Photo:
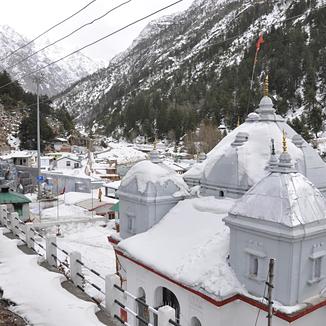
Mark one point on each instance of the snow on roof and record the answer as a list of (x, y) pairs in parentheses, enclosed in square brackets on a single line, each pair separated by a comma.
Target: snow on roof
[(113, 184), (285, 198), (69, 157), (174, 166), (253, 155), (18, 154), (122, 153), (146, 171), (63, 140), (92, 204), (190, 244), (71, 198), (77, 172), (244, 153)]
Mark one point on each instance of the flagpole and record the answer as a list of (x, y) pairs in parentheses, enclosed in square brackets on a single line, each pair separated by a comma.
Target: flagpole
[(252, 81), (258, 44), (253, 71)]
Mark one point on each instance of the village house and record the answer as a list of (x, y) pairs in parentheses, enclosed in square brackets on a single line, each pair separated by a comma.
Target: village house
[(47, 162), (67, 162), (22, 158), (111, 189), (61, 145)]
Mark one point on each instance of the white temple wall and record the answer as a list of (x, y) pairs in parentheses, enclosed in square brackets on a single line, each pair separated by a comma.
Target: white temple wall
[(191, 305)]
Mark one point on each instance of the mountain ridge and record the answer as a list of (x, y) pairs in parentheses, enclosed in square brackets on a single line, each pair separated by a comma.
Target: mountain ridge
[(57, 77), (197, 65)]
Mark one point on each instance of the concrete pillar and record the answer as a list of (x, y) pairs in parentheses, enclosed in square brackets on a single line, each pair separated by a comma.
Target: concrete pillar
[(132, 304), (9, 222), (6, 220), (3, 214), (111, 293), (51, 250), (29, 234), (14, 223), (76, 268), (164, 315)]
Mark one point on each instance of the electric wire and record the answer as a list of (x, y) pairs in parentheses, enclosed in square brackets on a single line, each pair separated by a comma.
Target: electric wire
[(126, 26), (70, 34), (93, 43), (48, 30)]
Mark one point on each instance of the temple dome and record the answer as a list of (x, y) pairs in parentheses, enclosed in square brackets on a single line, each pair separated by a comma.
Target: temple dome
[(284, 198), (153, 179), (241, 159)]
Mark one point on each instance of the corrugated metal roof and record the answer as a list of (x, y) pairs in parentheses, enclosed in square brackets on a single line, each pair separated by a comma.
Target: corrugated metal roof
[(93, 204), (13, 198)]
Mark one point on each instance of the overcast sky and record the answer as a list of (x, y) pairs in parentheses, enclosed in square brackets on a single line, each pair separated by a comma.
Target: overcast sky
[(32, 17)]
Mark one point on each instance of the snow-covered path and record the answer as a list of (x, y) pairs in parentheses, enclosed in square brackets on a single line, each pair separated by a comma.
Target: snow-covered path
[(37, 292)]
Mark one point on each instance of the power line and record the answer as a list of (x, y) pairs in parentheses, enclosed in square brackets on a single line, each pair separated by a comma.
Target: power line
[(94, 42), (73, 32), (48, 30), (134, 22)]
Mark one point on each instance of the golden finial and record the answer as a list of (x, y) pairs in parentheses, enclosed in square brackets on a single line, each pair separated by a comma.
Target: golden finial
[(238, 122), (285, 145), (266, 86)]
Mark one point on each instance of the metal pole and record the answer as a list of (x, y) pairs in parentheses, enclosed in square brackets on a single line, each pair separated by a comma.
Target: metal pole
[(270, 290), (92, 201), (38, 137), (57, 198)]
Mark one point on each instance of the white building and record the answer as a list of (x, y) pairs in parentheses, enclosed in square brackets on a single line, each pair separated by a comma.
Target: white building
[(261, 197), (60, 143), (67, 162), (47, 163)]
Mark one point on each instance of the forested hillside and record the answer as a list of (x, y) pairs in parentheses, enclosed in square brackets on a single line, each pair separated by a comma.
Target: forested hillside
[(20, 106), (197, 66)]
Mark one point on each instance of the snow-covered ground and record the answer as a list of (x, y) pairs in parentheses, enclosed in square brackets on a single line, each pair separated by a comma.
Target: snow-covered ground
[(90, 239), (37, 292)]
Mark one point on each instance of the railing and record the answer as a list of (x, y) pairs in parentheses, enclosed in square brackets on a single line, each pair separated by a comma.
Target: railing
[(72, 267)]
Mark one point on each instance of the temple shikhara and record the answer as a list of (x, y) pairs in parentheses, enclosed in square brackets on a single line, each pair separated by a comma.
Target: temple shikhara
[(202, 243)]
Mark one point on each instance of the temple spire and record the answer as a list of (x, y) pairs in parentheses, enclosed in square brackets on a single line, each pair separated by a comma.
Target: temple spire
[(285, 145), (273, 146), (266, 86), (273, 161)]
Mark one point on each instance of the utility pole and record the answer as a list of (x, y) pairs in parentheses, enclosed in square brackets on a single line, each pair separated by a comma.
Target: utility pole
[(270, 291), (37, 80)]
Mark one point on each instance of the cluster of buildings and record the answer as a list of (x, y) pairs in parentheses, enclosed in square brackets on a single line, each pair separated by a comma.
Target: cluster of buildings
[(202, 242)]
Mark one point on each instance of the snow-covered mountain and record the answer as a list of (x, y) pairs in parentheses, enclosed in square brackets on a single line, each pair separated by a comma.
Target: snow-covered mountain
[(197, 64), (57, 77)]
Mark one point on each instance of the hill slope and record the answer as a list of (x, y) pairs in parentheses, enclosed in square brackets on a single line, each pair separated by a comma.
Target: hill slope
[(197, 65)]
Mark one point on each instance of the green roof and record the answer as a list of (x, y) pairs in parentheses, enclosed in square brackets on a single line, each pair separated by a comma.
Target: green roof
[(115, 207), (13, 198)]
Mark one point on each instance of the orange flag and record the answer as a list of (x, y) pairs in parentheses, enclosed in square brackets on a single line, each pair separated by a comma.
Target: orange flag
[(259, 42)]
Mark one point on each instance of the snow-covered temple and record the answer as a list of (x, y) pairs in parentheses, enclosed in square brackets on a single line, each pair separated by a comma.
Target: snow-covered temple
[(202, 244)]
